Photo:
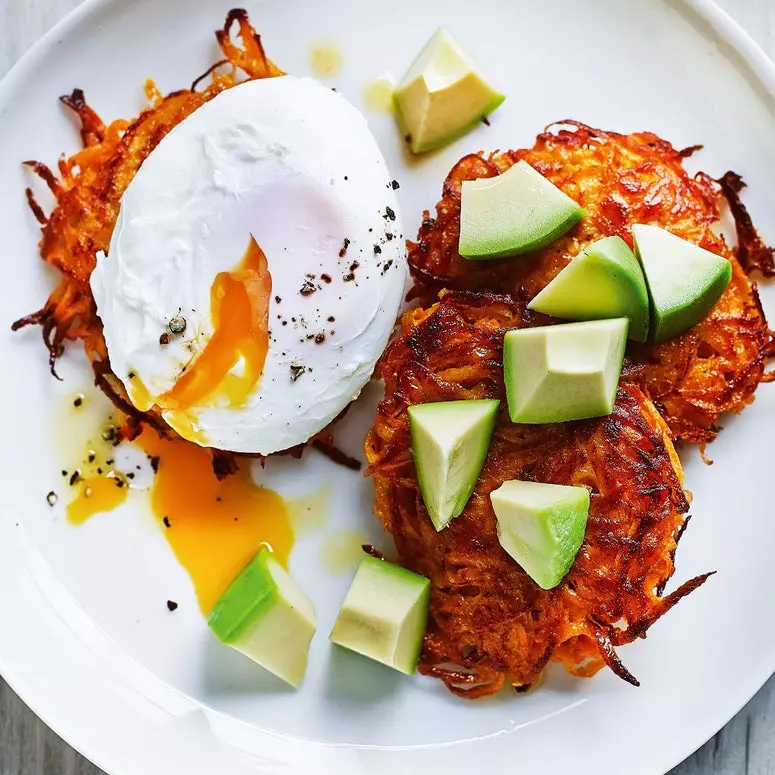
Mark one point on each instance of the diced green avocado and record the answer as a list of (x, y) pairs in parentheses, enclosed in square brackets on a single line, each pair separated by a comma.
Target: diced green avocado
[(684, 280), (603, 281), (513, 213), (541, 526), (443, 95), (384, 614), (265, 615), (450, 440), (563, 372)]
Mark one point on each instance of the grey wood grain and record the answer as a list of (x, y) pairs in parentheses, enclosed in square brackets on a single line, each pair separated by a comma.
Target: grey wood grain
[(746, 746)]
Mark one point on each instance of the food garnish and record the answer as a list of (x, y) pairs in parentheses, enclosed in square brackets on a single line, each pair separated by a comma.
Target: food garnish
[(541, 526), (517, 212), (564, 372), (384, 614), (443, 95), (684, 280), (266, 616), (450, 440), (604, 281)]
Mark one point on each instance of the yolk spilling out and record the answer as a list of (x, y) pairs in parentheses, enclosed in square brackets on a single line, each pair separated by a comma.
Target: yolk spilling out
[(239, 307), (96, 494), (214, 527)]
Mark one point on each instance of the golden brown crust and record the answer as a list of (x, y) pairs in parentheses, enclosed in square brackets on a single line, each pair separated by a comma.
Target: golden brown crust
[(621, 180), (489, 622)]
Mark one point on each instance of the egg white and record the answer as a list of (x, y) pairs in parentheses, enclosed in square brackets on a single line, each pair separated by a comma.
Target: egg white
[(293, 164)]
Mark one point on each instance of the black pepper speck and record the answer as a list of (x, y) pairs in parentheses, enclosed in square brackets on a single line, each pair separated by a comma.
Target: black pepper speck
[(297, 369), (177, 325)]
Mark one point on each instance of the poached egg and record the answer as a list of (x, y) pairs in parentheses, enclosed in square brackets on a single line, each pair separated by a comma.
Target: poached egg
[(256, 269)]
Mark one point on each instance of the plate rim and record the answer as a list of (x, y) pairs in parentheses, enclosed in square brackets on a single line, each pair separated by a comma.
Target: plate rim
[(725, 30)]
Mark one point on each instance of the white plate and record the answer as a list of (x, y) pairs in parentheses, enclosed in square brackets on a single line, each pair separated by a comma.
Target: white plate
[(86, 638)]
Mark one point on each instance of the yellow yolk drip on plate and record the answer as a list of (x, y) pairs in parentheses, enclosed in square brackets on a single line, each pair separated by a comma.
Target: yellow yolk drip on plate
[(239, 307), (95, 495), (214, 527)]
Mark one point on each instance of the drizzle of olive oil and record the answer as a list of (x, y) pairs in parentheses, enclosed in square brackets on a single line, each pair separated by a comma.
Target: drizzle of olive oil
[(378, 95), (325, 58), (342, 550), (309, 512)]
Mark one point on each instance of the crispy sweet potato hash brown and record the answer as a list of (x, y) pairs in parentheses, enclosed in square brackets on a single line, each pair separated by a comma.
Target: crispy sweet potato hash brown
[(621, 180), (489, 622), (88, 193)]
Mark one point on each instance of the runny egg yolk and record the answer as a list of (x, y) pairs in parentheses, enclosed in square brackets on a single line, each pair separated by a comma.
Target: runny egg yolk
[(215, 527), (95, 495), (239, 307)]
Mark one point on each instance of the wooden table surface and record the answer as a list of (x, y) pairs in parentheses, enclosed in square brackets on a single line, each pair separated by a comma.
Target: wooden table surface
[(746, 746)]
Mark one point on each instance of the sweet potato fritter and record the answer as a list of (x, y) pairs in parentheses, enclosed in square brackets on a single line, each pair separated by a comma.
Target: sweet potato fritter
[(88, 195), (621, 180), (489, 622)]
